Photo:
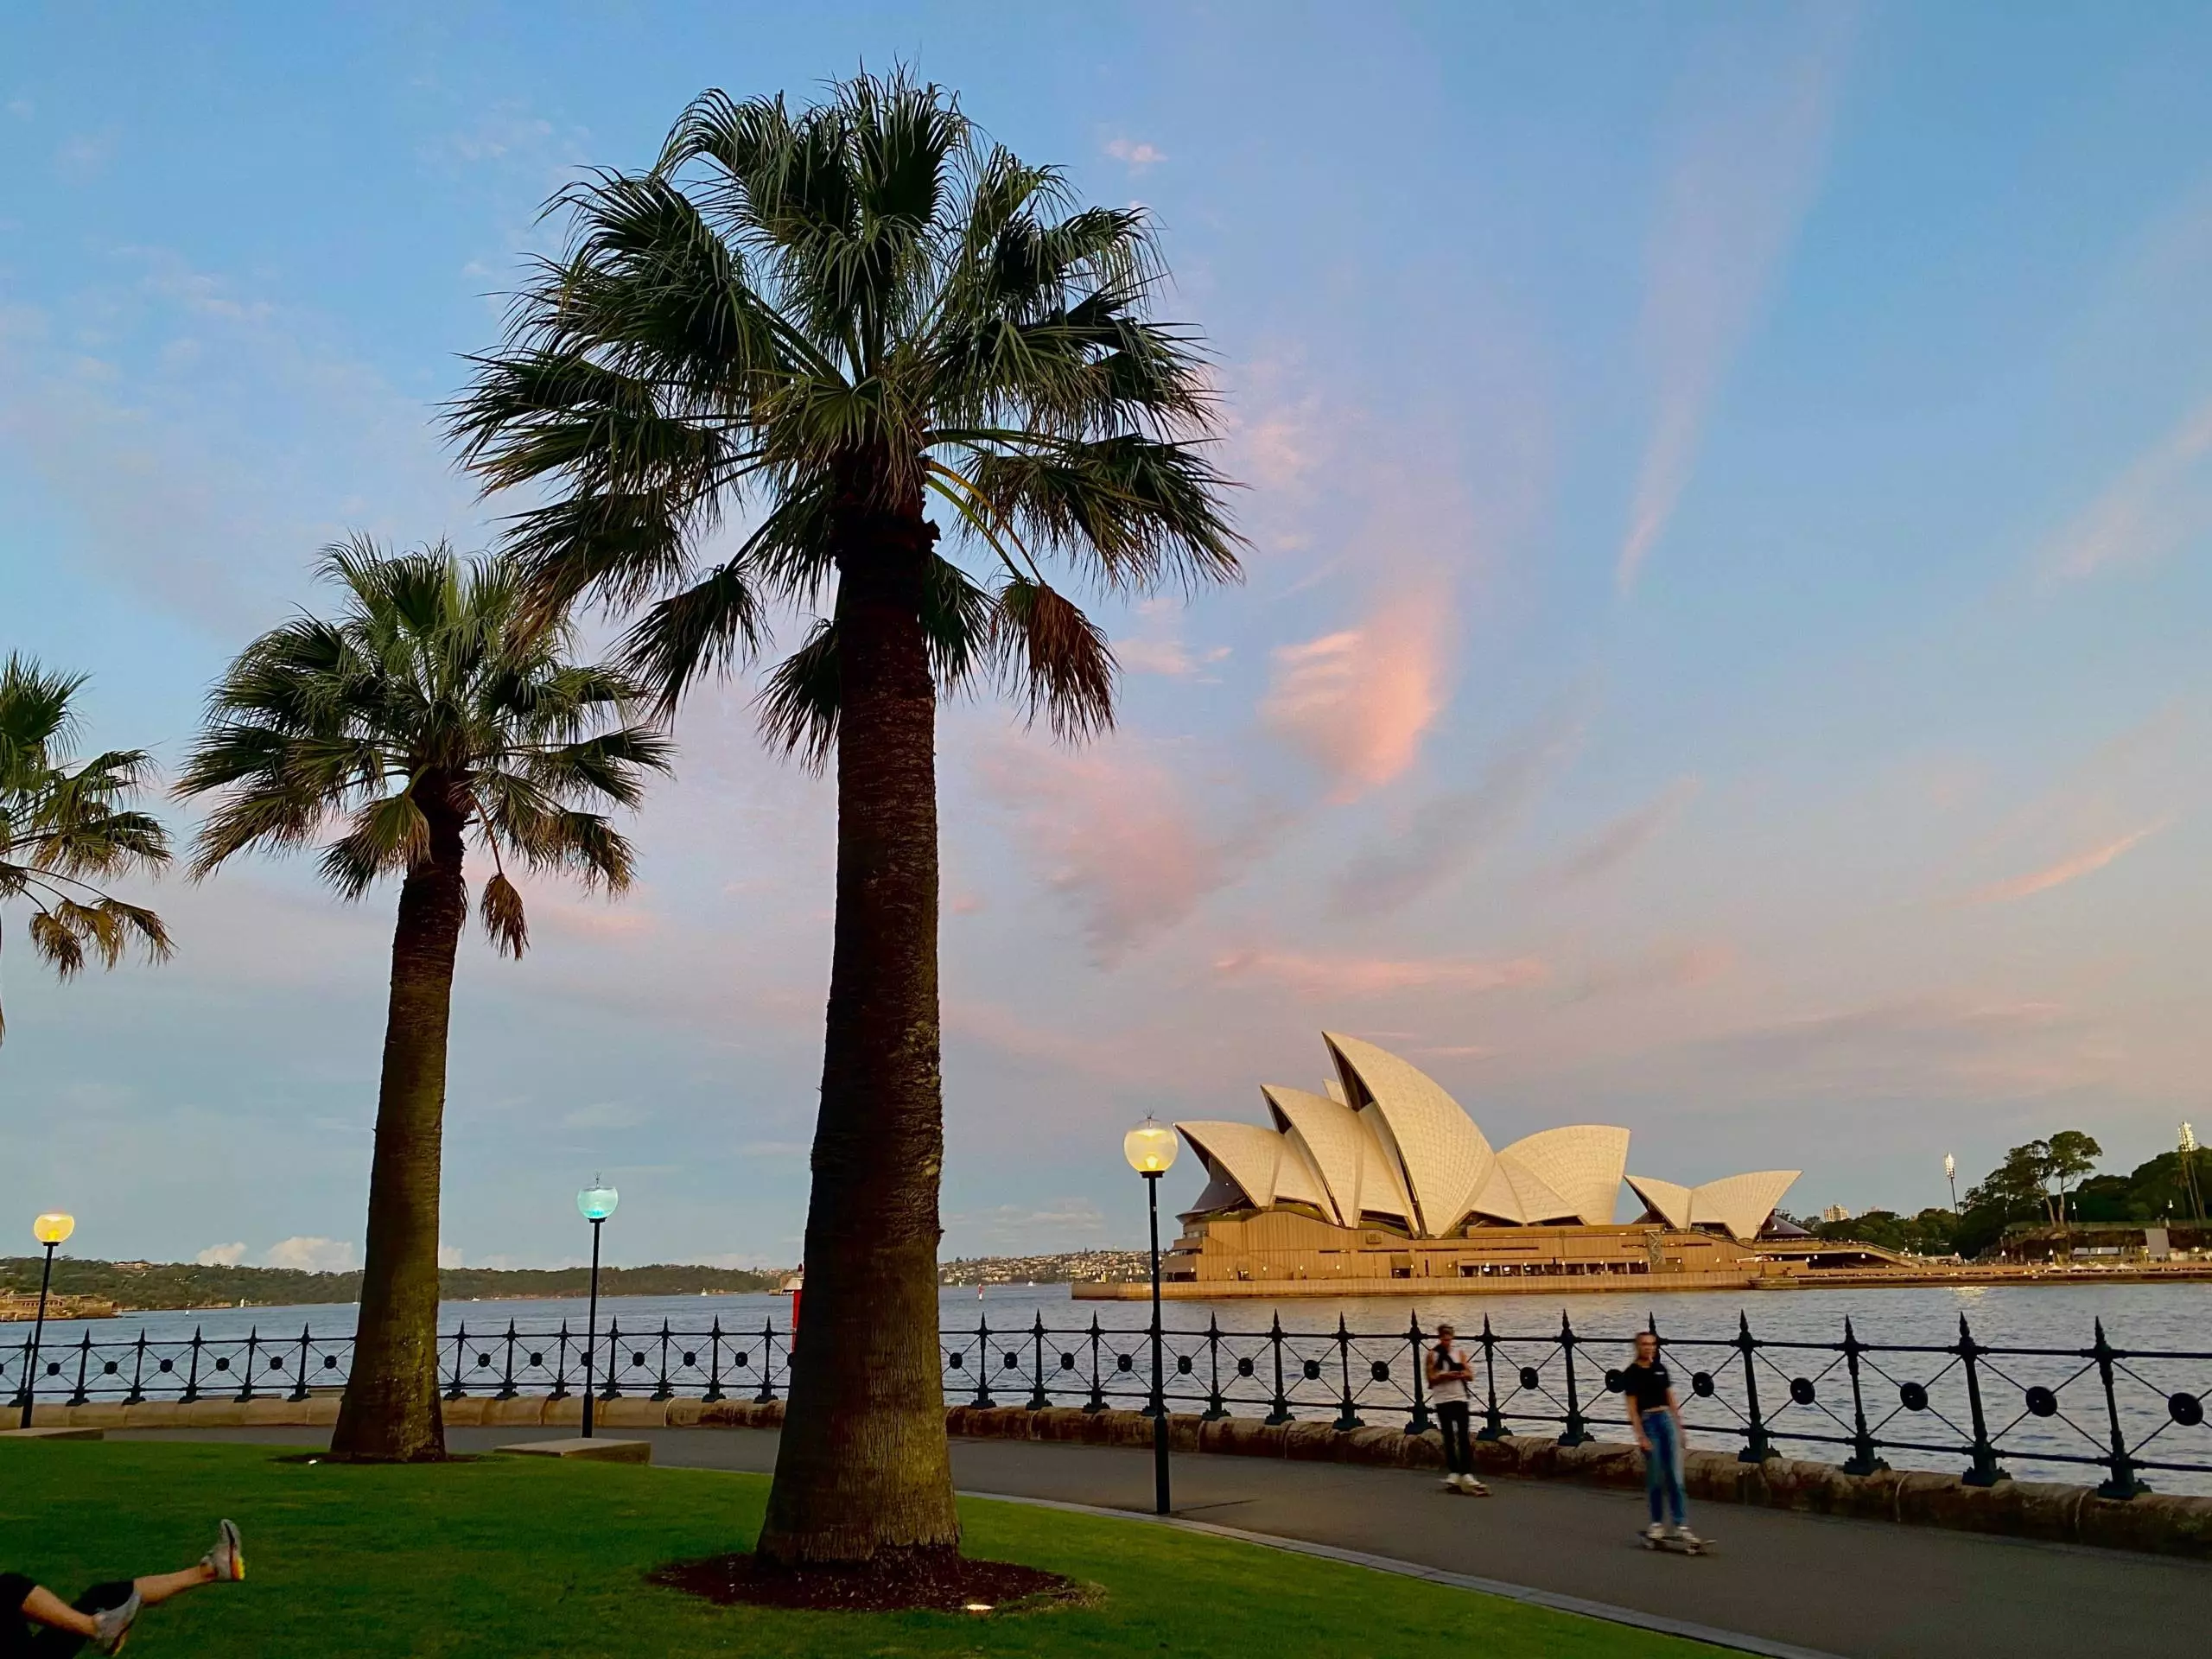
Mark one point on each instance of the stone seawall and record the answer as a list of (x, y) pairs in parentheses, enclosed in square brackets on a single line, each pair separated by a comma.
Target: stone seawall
[(2153, 1522)]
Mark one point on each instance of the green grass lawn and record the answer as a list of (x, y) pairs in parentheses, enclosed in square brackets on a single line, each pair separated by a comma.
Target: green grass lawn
[(508, 1556)]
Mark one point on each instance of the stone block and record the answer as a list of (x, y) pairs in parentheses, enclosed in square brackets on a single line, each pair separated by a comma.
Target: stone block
[(683, 1414), (99, 1413), (523, 1410), (1309, 1442), (633, 1411), (467, 1412), (563, 1414), (212, 1414), (598, 1449)]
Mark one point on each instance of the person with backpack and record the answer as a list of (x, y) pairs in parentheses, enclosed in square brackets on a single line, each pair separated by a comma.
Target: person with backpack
[(1449, 1374)]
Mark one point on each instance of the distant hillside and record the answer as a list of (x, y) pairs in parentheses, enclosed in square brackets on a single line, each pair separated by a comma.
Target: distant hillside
[(1058, 1269), (150, 1285)]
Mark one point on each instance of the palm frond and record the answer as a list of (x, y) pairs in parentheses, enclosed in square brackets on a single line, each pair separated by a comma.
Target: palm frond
[(1059, 659), (504, 924)]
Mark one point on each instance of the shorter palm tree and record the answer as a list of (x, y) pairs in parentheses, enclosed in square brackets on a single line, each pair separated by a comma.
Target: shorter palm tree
[(62, 832), (430, 713)]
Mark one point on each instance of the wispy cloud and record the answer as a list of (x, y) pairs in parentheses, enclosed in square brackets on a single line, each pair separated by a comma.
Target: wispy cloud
[(1317, 977), (2162, 499), (1133, 155), (1753, 141), (2066, 869), (310, 1254), (1444, 835), (1113, 834), (1359, 700), (222, 1255), (1621, 839)]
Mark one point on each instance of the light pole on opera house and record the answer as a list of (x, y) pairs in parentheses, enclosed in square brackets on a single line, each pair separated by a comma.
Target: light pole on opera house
[(1150, 1148), (597, 1203), (49, 1230)]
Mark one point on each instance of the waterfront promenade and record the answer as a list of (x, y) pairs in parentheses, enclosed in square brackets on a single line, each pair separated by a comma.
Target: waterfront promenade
[(1779, 1582)]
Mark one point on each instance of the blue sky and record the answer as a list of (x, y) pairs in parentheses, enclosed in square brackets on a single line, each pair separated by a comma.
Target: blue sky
[(1723, 651)]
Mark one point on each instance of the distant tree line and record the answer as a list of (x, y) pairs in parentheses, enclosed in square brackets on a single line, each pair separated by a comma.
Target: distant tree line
[(2050, 1183), (183, 1284)]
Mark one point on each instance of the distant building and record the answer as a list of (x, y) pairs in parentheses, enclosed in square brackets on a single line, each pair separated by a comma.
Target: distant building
[(1383, 1176), (1835, 1212)]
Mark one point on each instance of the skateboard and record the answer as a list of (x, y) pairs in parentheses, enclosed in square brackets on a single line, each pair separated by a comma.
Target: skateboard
[(1701, 1547)]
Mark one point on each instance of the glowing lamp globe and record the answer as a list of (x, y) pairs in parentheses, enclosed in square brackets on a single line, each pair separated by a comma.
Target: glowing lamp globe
[(1150, 1148), (54, 1228), (597, 1203)]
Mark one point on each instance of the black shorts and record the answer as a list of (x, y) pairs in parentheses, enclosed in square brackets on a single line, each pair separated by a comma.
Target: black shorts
[(20, 1639)]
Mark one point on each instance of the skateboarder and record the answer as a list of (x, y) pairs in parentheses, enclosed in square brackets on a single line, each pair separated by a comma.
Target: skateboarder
[(1657, 1422), (1448, 1376)]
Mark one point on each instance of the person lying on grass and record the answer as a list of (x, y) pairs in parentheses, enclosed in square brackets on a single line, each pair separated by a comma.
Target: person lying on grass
[(104, 1614)]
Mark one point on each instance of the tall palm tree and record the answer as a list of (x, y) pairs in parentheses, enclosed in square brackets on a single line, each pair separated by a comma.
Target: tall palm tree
[(63, 831), (832, 321), (430, 712)]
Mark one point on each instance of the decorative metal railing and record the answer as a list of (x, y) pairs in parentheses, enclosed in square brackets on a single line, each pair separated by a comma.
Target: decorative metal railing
[(2131, 1413)]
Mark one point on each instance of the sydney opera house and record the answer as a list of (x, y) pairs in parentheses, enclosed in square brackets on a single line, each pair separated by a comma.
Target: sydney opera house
[(1384, 1178)]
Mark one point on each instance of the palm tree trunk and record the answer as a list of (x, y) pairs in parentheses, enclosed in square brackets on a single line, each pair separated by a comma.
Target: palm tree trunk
[(863, 1468), (390, 1412)]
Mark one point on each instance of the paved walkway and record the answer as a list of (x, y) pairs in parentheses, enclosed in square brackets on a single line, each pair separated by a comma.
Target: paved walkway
[(1833, 1586)]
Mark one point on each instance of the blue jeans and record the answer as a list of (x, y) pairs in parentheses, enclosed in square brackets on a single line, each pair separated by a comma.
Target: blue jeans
[(1662, 1467)]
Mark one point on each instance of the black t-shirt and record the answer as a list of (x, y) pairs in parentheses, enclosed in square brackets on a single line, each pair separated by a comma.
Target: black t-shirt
[(15, 1631), (1646, 1384)]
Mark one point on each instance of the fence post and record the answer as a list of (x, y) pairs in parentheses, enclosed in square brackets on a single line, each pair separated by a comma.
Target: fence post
[(1217, 1408), (1985, 1471), (1862, 1461), (299, 1384), (561, 1366), (767, 1395), (1417, 1423), (507, 1389), (23, 1391), (1493, 1426), (983, 1362), (1578, 1430), (192, 1371), (1097, 1401), (457, 1389), (1039, 1400), (613, 1390), (713, 1364), (661, 1391), (1347, 1418), (137, 1395), (252, 1341), (83, 1360), (1757, 1447), (2123, 1484), (1281, 1412)]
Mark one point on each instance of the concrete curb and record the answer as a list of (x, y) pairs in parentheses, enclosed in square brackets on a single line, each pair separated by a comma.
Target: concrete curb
[(2154, 1523)]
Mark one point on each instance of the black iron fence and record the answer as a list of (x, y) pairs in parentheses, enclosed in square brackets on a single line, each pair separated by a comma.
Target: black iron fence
[(2130, 1412)]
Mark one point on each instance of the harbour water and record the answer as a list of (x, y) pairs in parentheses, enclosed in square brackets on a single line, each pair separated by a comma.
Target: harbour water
[(2044, 1414)]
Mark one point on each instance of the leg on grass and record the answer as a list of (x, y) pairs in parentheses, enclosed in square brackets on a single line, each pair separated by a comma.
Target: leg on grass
[(48, 1609), (158, 1587)]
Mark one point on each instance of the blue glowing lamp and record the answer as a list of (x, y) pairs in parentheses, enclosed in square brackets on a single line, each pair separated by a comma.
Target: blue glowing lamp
[(597, 1202)]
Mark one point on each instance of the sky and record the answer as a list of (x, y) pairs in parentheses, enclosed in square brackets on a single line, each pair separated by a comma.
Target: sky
[(1722, 648)]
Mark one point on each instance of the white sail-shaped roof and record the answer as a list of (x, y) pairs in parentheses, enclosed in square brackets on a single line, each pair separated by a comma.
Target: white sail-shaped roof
[(1329, 1136), (1583, 1163), (1382, 1185), (1265, 1165), (1669, 1201), (1515, 1193), (1740, 1203), (1444, 1157)]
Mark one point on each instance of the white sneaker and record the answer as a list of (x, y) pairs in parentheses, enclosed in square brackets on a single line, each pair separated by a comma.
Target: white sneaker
[(1655, 1533), (1684, 1537)]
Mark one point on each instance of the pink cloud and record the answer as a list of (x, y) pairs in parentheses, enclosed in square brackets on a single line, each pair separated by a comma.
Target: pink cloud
[(1620, 840), (1749, 157), (1113, 835), (2148, 511), (1359, 701), (1314, 978), (2066, 870)]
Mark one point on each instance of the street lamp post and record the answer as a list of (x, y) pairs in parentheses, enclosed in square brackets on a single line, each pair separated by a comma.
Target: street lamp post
[(1150, 1148), (2189, 1172), (50, 1231), (1951, 1174), (597, 1203)]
